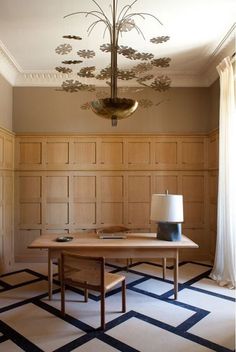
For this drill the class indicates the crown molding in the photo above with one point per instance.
(14, 74)
(9, 68)
(52, 79)
(225, 48)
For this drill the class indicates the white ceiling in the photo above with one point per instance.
(30, 30)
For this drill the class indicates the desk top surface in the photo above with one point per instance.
(88, 240)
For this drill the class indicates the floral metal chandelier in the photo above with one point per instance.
(113, 107)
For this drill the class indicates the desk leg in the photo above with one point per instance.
(176, 274)
(164, 268)
(50, 275)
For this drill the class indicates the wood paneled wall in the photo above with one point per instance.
(69, 183)
(213, 188)
(6, 199)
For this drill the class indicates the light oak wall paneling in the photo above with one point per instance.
(139, 153)
(57, 200)
(23, 238)
(6, 200)
(213, 142)
(1, 150)
(139, 198)
(9, 153)
(163, 181)
(57, 153)
(112, 199)
(85, 152)
(28, 196)
(7, 146)
(194, 153)
(166, 155)
(1, 220)
(111, 153)
(90, 181)
(84, 197)
(30, 153)
(197, 235)
(194, 187)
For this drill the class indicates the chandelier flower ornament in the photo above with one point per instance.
(123, 21)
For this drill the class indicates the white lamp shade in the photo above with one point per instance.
(167, 208)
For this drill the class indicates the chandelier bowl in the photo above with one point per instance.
(120, 108)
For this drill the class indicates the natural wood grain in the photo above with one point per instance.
(136, 245)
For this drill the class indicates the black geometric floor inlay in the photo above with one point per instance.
(191, 328)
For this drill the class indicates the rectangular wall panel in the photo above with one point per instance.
(166, 153)
(163, 183)
(112, 152)
(84, 188)
(57, 153)
(85, 152)
(30, 153)
(71, 183)
(84, 214)
(139, 152)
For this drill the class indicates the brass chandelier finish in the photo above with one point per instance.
(114, 107)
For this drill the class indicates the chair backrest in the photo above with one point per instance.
(83, 271)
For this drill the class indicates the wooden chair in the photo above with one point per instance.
(89, 273)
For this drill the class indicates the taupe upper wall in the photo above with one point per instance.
(215, 105)
(49, 110)
(6, 95)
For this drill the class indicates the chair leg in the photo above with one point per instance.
(123, 296)
(102, 310)
(164, 268)
(63, 299)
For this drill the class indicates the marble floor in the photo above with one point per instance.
(202, 319)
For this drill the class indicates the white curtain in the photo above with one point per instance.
(224, 266)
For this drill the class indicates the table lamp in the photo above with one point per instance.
(167, 211)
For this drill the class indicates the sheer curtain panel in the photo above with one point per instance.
(224, 266)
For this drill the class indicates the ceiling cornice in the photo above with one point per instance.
(225, 48)
(14, 74)
(9, 69)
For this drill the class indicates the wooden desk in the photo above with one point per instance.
(136, 245)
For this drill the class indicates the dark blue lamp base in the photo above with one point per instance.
(169, 231)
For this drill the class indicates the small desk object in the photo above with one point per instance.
(135, 246)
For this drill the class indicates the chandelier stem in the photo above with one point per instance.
(114, 43)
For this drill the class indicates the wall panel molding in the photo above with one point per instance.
(78, 182)
(6, 199)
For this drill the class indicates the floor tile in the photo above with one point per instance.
(45, 330)
(154, 286)
(96, 346)
(18, 278)
(219, 325)
(149, 338)
(9, 346)
(19, 294)
(212, 286)
(154, 308)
